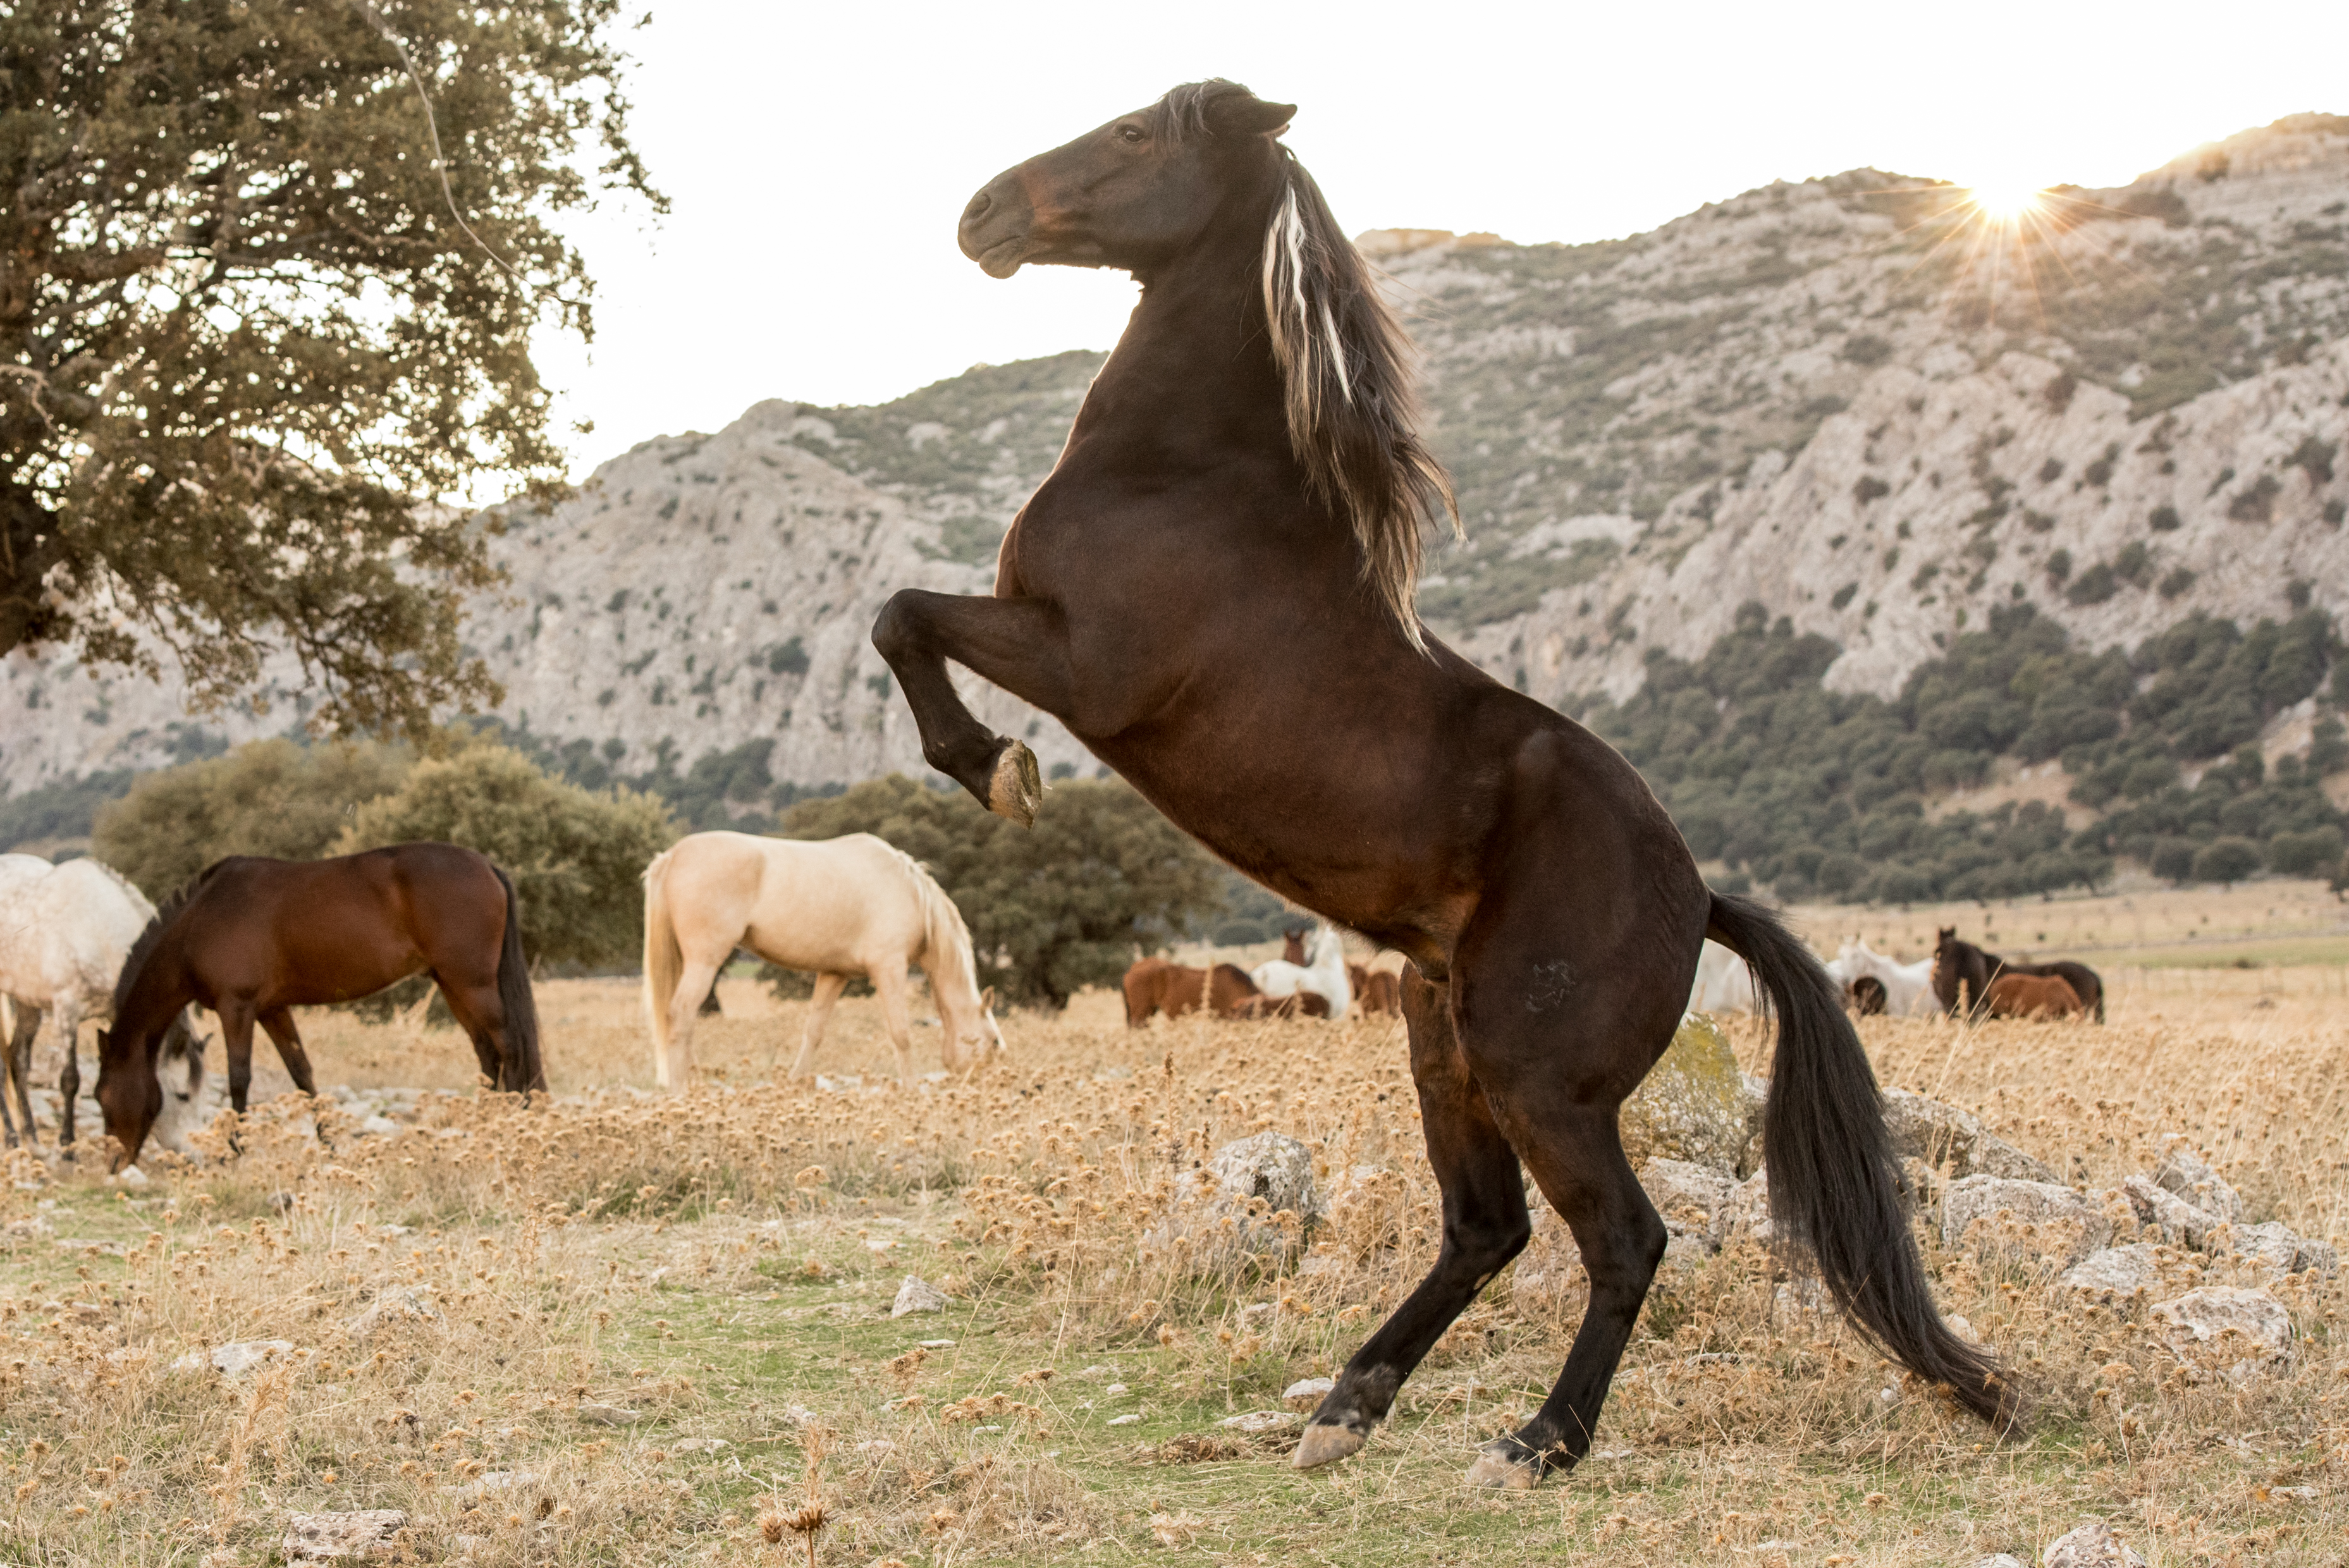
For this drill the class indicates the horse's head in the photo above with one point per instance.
(1131, 194)
(129, 1096)
(978, 1038)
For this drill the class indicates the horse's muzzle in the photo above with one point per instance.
(994, 230)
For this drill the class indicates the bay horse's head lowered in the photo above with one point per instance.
(1132, 193)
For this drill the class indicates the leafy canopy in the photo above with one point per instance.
(1051, 909)
(244, 333)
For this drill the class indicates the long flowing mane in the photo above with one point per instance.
(144, 948)
(1346, 365)
(948, 938)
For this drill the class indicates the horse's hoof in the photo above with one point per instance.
(1017, 788)
(1500, 1467)
(1323, 1445)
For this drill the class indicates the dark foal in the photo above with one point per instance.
(251, 938)
(1233, 533)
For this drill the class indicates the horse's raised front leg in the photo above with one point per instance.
(1019, 644)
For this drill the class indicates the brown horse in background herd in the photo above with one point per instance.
(1964, 974)
(2031, 997)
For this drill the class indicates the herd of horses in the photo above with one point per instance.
(1323, 985)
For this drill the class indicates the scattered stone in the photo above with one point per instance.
(379, 1126)
(237, 1357)
(2115, 1273)
(130, 1176)
(876, 1448)
(1255, 1421)
(917, 1295)
(1245, 1184)
(801, 1415)
(1688, 1196)
(1551, 1262)
(936, 1344)
(1744, 1214)
(2239, 1333)
(322, 1537)
(400, 1304)
(1306, 1393)
(2023, 1221)
(494, 1480)
(1693, 1104)
(1114, 1391)
(2274, 1244)
(701, 1444)
(1124, 1420)
(1998, 1559)
(1946, 1137)
(2295, 1494)
(2184, 1170)
(2169, 1216)
(1270, 1166)
(2090, 1546)
(1258, 1315)
(610, 1415)
(86, 1244)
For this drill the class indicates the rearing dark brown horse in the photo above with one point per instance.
(1232, 534)
(250, 938)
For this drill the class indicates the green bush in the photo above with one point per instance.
(2227, 861)
(577, 858)
(1065, 905)
(2313, 853)
(266, 797)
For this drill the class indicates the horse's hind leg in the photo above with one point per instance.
(828, 988)
(693, 983)
(26, 1024)
(1484, 1225)
(67, 1018)
(479, 1011)
(279, 1025)
(235, 1015)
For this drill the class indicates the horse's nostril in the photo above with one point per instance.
(978, 206)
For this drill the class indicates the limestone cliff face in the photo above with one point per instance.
(1851, 399)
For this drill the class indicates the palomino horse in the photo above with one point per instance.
(253, 938)
(1961, 970)
(64, 933)
(1234, 529)
(846, 906)
(1324, 972)
(2013, 995)
(1155, 985)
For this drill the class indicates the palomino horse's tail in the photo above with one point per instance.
(1834, 1186)
(514, 997)
(663, 955)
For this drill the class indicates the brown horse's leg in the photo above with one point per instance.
(1484, 1225)
(482, 1016)
(68, 1019)
(279, 1025)
(235, 1015)
(1019, 645)
(827, 991)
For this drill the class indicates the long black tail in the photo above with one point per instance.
(1834, 1185)
(523, 1069)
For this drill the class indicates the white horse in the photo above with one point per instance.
(839, 907)
(1907, 988)
(1724, 983)
(65, 931)
(1323, 973)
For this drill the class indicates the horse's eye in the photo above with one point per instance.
(1130, 134)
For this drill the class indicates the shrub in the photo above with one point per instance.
(265, 798)
(2225, 860)
(1869, 488)
(2178, 581)
(1867, 349)
(2173, 859)
(2096, 584)
(1051, 909)
(2164, 519)
(2134, 564)
(2256, 504)
(2313, 854)
(2059, 565)
(577, 858)
(2314, 457)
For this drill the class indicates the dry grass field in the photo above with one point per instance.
(713, 1273)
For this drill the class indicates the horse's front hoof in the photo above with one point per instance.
(1506, 1467)
(1016, 788)
(1323, 1445)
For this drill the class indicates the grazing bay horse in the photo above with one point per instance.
(1234, 530)
(2013, 995)
(1155, 985)
(1962, 970)
(1378, 992)
(252, 938)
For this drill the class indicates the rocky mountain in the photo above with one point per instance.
(1858, 400)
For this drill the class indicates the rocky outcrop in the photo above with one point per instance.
(1693, 1104)
(1945, 1138)
(2228, 1332)
(2025, 1221)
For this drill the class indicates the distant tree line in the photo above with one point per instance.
(1820, 794)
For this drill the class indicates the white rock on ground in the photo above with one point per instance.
(237, 1357)
(610, 1415)
(400, 1304)
(1744, 1214)
(1307, 1392)
(2090, 1546)
(1944, 1136)
(2274, 1244)
(1688, 1196)
(1270, 1166)
(2115, 1273)
(917, 1295)
(2185, 1171)
(1998, 1559)
(2169, 1215)
(2023, 1221)
(2239, 1333)
(325, 1537)
(1262, 1421)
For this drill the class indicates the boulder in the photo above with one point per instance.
(2090, 1546)
(917, 1295)
(1744, 1214)
(1693, 1104)
(2274, 1244)
(2022, 1221)
(1277, 1169)
(2167, 1215)
(2113, 1274)
(1688, 1196)
(325, 1537)
(1944, 1137)
(2240, 1334)
(2184, 1170)
(236, 1358)
(1306, 1393)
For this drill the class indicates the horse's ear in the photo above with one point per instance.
(1245, 114)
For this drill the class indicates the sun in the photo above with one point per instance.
(2007, 201)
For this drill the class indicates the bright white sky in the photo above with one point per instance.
(817, 155)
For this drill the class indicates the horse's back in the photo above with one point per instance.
(805, 903)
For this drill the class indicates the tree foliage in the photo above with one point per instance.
(245, 331)
(267, 798)
(577, 858)
(1051, 909)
